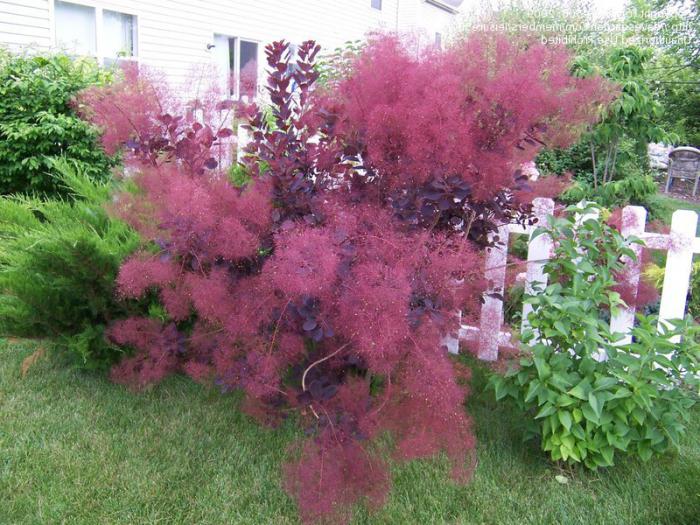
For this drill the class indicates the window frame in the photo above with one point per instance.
(99, 28)
(134, 36)
(236, 91)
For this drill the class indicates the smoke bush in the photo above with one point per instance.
(139, 113)
(327, 284)
(443, 134)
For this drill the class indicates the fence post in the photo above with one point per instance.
(633, 223)
(451, 342)
(538, 252)
(492, 310)
(679, 263)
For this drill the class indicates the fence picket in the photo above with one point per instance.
(679, 264)
(681, 244)
(633, 223)
(492, 309)
(538, 251)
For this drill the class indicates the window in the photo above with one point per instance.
(248, 72)
(438, 40)
(118, 35)
(237, 61)
(377, 4)
(85, 30)
(76, 28)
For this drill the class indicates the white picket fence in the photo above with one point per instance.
(680, 243)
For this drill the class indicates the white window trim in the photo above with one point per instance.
(99, 27)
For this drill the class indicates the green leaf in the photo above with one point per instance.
(639, 416)
(589, 414)
(546, 410)
(532, 390)
(645, 451)
(559, 325)
(565, 419)
(581, 390)
(543, 369)
(608, 454)
(561, 479)
(596, 404)
(604, 383)
(577, 431)
(499, 386)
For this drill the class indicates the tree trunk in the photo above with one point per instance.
(595, 172)
(614, 160)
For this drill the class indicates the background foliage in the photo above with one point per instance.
(38, 123)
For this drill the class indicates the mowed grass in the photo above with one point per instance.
(77, 449)
(670, 205)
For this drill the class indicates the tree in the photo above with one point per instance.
(634, 114)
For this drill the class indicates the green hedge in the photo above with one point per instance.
(38, 124)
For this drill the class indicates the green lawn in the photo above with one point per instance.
(671, 204)
(76, 449)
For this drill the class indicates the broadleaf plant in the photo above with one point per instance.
(588, 395)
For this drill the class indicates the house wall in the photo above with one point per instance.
(173, 34)
(25, 23)
(433, 20)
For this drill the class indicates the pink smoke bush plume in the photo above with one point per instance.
(327, 283)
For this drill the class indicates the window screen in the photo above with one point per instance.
(119, 34)
(248, 68)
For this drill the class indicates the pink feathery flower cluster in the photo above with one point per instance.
(328, 283)
(479, 109)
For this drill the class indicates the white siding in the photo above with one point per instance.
(438, 19)
(24, 24)
(433, 19)
(173, 34)
(422, 20)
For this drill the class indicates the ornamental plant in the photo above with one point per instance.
(38, 124)
(589, 395)
(59, 260)
(326, 284)
(140, 115)
(442, 135)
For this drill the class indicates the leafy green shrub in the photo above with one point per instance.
(590, 396)
(58, 263)
(576, 160)
(38, 124)
(638, 189)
